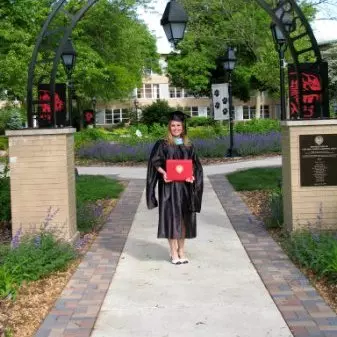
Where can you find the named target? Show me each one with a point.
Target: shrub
(276, 207)
(314, 251)
(36, 256)
(5, 199)
(157, 112)
(257, 126)
(201, 121)
(3, 143)
(15, 121)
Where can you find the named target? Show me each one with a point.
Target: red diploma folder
(179, 169)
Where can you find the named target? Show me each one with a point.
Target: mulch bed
(35, 299)
(257, 201)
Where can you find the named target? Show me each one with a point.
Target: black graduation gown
(178, 201)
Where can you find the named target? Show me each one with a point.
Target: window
(108, 116)
(194, 111)
(248, 112)
(117, 116)
(148, 91)
(264, 111)
(191, 110)
(176, 92)
(188, 93)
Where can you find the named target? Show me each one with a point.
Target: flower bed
(245, 144)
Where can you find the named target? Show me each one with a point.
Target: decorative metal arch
(65, 32)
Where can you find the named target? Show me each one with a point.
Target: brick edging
(302, 308)
(75, 312)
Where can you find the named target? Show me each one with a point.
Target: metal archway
(63, 33)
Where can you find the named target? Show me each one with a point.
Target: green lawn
(92, 188)
(256, 179)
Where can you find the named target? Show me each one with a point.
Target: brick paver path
(75, 312)
(303, 309)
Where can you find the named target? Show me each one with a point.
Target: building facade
(157, 87)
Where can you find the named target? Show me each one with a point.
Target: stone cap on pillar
(310, 122)
(40, 132)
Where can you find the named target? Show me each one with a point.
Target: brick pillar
(42, 176)
(308, 206)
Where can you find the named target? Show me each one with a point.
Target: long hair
(169, 137)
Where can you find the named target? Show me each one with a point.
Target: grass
(256, 179)
(90, 188)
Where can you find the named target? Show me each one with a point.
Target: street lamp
(136, 104)
(174, 22)
(94, 101)
(229, 64)
(68, 58)
(283, 13)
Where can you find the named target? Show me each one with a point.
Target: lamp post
(283, 13)
(174, 22)
(94, 101)
(136, 104)
(229, 65)
(68, 58)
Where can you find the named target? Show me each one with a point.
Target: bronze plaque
(318, 160)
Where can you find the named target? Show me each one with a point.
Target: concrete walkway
(140, 172)
(238, 283)
(219, 293)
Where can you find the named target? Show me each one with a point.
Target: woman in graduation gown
(178, 201)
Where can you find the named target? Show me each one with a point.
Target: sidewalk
(239, 283)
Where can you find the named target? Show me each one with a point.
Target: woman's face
(176, 128)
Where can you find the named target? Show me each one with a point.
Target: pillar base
(309, 162)
(42, 174)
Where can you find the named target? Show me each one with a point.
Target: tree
(330, 55)
(213, 26)
(112, 45)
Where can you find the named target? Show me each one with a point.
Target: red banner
(311, 100)
(45, 116)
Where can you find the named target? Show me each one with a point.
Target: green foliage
(15, 120)
(89, 190)
(105, 40)
(217, 24)
(3, 143)
(92, 188)
(86, 136)
(37, 256)
(157, 112)
(4, 118)
(256, 179)
(314, 251)
(200, 121)
(7, 283)
(5, 199)
(257, 126)
(275, 219)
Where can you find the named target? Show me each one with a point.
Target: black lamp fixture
(229, 61)
(283, 12)
(174, 22)
(68, 56)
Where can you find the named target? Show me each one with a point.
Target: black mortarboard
(178, 116)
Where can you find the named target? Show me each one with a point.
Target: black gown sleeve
(198, 184)
(156, 160)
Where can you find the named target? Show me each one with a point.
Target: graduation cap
(179, 116)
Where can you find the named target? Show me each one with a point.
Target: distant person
(178, 200)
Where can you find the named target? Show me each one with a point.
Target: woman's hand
(163, 173)
(190, 180)
(165, 178)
